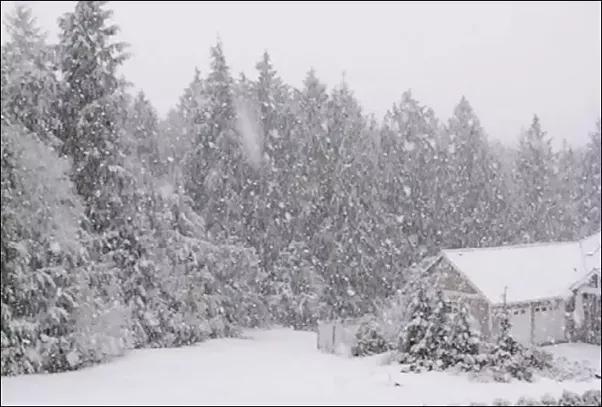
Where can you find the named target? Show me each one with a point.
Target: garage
(520, 320)
(548, 323)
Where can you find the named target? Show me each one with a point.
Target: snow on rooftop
(529, 272)
(590, 247)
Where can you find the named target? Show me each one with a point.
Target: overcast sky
(510, 60)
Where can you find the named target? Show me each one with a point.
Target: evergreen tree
(474, 191)
(50, 321)
(29, 84)
(464, 341)
(93, 129)
(567, 193)
(91, 108)
(212, 175)
(143, 126)
(273, 207)
(590, 190)
(295, 295)
(410, 140)
(412, 340)
(534, 174)
(438, 334)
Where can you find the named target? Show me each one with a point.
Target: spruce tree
(590, 189)
(474, 186)
(534, 174)
(29, 83)
(464, 341)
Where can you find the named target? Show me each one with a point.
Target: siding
(447, 278)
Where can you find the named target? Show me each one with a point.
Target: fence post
(334, 328)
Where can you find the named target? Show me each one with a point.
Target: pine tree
(590, 206)
(567, 193)
(29, 84)
(295, 295)
(93, 124)
(412, 340)
(474, 192)
(272, 98)
(143, 126)
(437, 337)
(410, 140)
(310, 202)
(45, 327)
(91, 107)
(508, 357)
(464, 341)
(213, 177)
(535, 178)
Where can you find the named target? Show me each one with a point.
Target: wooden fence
(337, 337)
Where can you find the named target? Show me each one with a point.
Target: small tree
(438, 334)
(413, 334)
(508, 356)
(464, 341)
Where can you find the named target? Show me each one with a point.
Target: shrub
(592, 398)
(569, 399)
(508, 358)
(370, 339)
(548, 400)
(526, 401)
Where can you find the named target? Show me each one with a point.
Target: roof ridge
(515, 246)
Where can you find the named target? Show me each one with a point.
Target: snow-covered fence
(337, 336)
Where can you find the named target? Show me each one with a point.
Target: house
(551, 290)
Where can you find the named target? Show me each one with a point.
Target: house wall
(590, 331)
(447, 278)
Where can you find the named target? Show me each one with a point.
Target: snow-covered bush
(436, 338)
(570, 399)
(548, 400)
(509, 359)
(592, 398)
(527, 401)
(370, 339)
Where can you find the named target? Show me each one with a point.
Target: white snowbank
(272, 367)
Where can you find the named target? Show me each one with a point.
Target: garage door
(521, 325)
(549, 324)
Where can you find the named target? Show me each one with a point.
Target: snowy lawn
(578, 352)
(272, 367)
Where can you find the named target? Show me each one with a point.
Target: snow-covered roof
(590, 247)
(528, 272)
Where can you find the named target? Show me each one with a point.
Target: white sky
(510, 60)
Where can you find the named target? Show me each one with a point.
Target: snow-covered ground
(581, 352)
(271, 367)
